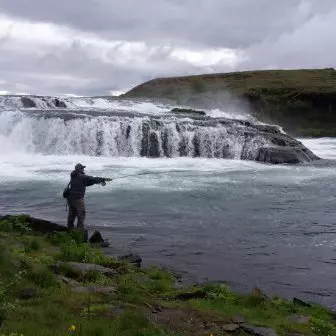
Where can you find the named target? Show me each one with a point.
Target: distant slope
(302, 101)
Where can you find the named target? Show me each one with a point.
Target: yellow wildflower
(72, 328)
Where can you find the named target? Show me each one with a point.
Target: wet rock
(68, 281)
(59, 103)
(128, 131)
(230, 327)
(258, 331)
(280, 155)
(267, 129)
(197, 147)
(27, 102)
(199, 294)
(94, 289)
(301, 303)
(41, 225)
(132, 259)
(28, 293)
(183, 147)
(187, 111)
(165, 143)
(96, 238)
(145, 140)
(81, 269)
(239, 320)
(154, 146)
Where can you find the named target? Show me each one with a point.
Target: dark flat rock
(301, 303)
(230, 327)
(239, 320)
(259, 331)
(28, 293)
(41, 225)
(132, 259)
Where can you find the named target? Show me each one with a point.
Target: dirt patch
(189, 322)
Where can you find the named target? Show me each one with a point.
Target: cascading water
(124, 136)
(112, 128)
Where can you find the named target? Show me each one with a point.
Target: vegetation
(36, 300)
(302, 101)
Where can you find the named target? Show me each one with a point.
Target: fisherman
(76, 191)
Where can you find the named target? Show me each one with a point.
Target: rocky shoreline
(54, 282)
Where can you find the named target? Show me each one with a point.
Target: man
(78, 183)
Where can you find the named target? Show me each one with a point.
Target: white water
(116, 136)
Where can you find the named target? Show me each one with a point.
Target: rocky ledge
(262, 143)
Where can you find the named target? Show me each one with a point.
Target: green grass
(26, 260)
(275, 313)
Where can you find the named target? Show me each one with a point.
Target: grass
(55, 309)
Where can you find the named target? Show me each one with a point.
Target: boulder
(278, 155)
(259, 331)
(28, 293)
(27, 102)
(187, 111)
(132, 259)
(230, 327)
(239, 319)
(96, 238)
(59, 103)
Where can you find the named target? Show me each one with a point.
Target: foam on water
(322, 147)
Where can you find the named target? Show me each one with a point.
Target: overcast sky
(91, 47)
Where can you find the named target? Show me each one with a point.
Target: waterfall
(125, 136)
(112, 128)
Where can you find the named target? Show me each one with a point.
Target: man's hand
(106, 180)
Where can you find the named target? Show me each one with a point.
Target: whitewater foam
(124, 136)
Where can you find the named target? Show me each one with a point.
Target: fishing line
(151, 173)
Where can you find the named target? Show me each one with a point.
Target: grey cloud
(277, 34)
(229, 23)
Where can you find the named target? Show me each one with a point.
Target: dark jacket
(79, 182)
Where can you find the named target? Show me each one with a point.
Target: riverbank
(54, 284)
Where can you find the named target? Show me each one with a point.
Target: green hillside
(302, 101)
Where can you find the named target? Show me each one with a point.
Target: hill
(302, 101)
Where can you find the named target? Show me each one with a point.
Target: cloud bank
(96, 47)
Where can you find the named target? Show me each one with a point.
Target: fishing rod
(150, 173)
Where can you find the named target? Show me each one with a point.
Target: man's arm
(91, 180)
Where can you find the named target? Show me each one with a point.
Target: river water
(240, 222)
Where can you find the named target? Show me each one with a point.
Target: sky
(99, 47)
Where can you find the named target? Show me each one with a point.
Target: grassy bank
(44, 292)
(302, 101)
